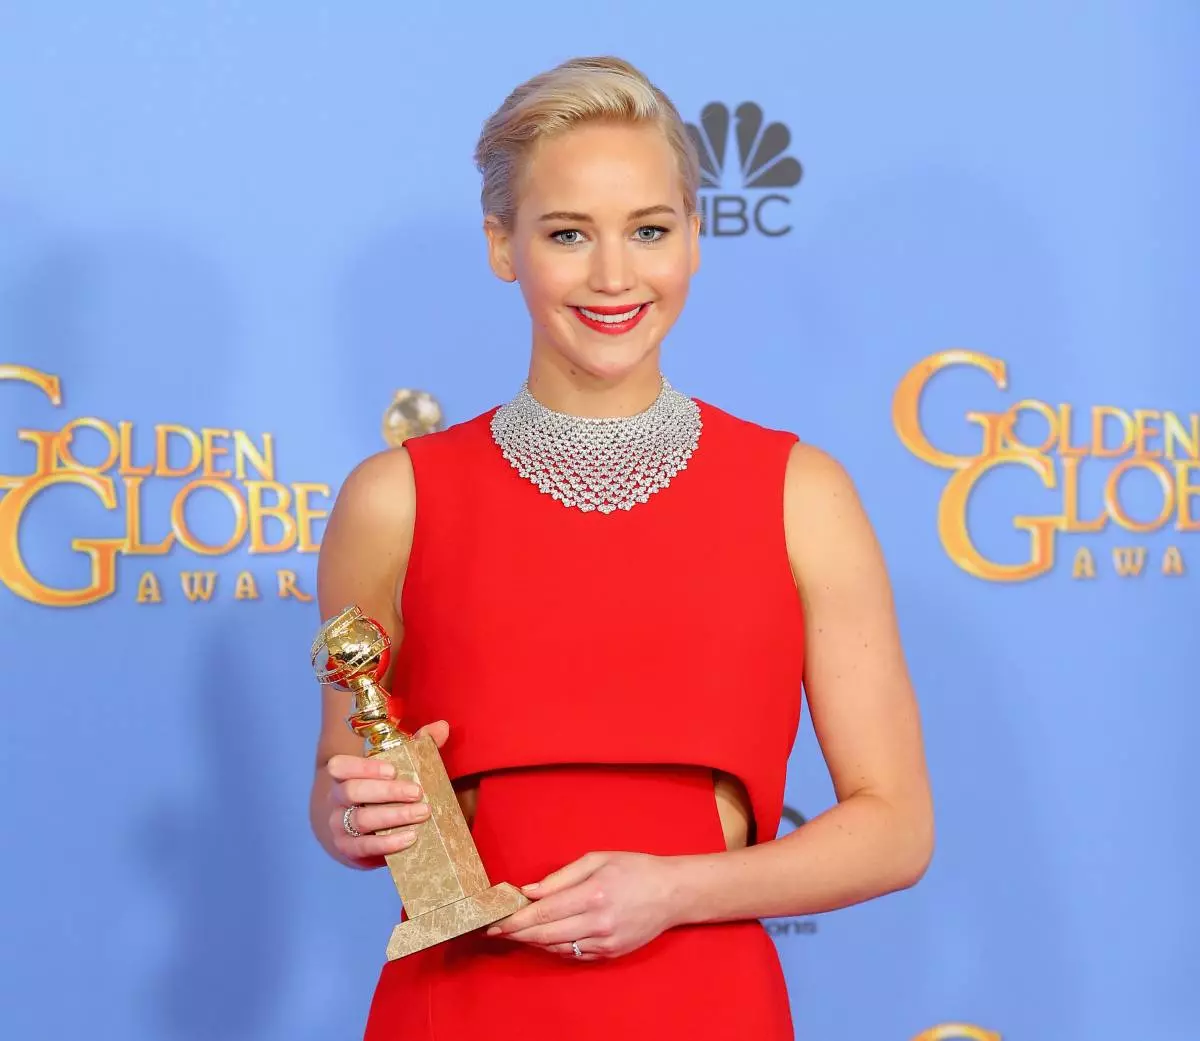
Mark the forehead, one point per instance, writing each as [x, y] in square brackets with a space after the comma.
[630, 166]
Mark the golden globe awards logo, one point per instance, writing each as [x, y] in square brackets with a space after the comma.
[262, 515]
[1104, 446]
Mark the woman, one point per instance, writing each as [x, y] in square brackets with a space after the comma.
[614, 593]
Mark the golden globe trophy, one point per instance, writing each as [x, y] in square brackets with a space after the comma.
[440, 877]
[411, 414]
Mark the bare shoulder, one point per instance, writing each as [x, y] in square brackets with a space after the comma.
[828, 531]
[381, 482]
[814, 474]
[369, 534]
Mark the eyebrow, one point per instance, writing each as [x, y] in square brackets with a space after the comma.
[645, 211]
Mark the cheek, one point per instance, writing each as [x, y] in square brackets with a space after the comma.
[670, 276]
[546, 281]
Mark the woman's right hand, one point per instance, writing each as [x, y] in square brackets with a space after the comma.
[380, 802]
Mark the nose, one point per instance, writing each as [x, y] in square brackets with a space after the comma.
[612, 268]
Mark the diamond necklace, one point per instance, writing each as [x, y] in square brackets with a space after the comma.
[598, 464]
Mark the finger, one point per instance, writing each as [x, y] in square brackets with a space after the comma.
[571, 902]
[390, 815]
[357, 791]
[345, 767]
[439, 731]
[562, 931]
[371, 846]
[565, 877]
[565, 950]
[400, 838]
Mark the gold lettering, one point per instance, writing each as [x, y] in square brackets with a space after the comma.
[1174, 436]
[128, 469]
[992, 424]
[1065, 449]
[1147, 438]
[133, 523]
[1071, 519]
[148, 590]
[305, 514]
[198, 585]
[1112, 498]
[1172, 561]
[1099, 414]
[179, 520]
[288, 587]
[245, 451]
[101, 553]
[952, 521]
[906, 402]
[1184, 520]
[66, 437]
[957, 1032]
[210, 450]
[1129, 561]
[260, 511]
[43, 441]
[162, 450]
[1143, 430]
[51, 387]
[1009, 439]
[246, 588]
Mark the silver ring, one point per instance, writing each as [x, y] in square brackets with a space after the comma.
[348, 823]
[575, 948]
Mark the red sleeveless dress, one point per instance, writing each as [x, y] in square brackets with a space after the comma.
[595, 669]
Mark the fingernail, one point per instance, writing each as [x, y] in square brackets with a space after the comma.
[532, 886]
[387, 771]
[494, 931]
[408, 838]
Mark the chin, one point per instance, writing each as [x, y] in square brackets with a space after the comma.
[611, 366]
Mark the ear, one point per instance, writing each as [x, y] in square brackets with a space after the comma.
[499, 249]
[694, 231]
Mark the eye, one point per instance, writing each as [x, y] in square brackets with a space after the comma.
[561, 236]
[650, 233]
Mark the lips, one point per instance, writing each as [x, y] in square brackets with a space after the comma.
[612, 320]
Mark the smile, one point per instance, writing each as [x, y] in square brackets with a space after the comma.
[611, 320]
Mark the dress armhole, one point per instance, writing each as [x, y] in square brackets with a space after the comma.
[418, 460]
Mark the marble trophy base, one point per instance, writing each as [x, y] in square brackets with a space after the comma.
[450, 920]
[440, 878]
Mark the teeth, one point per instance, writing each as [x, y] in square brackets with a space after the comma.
[610, 319]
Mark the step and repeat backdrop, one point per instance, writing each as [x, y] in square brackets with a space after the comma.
[240, 249]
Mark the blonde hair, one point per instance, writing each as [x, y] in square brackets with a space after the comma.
[582, 90]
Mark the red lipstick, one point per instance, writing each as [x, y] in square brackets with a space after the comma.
[610, 327]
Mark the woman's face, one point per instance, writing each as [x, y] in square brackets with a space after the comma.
[601, 246]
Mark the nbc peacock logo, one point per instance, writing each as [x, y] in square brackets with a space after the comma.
[762, 167]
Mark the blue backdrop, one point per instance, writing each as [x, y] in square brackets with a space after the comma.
[229, 232]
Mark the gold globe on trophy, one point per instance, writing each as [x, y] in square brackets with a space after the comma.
[411, 413]
[440, 877]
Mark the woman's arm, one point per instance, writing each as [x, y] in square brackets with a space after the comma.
[879, 836]
[364, 554]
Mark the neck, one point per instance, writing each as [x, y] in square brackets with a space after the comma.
[564, 387]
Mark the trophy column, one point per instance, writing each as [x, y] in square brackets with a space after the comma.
[440, 878]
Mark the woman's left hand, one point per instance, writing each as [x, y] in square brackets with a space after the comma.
[611, 903]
